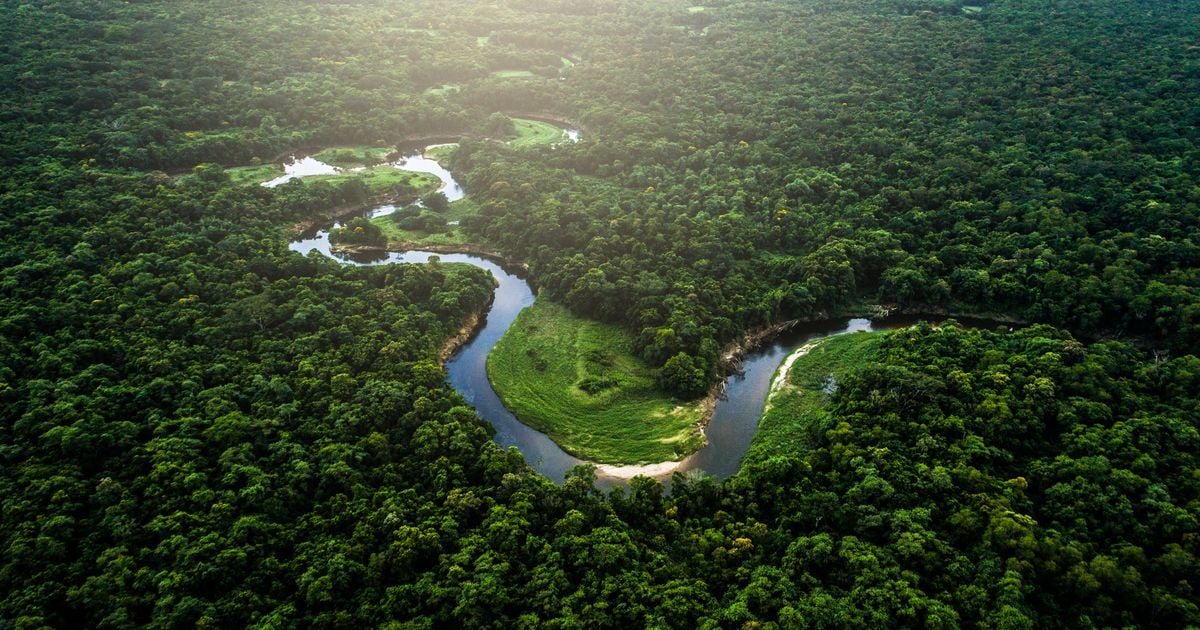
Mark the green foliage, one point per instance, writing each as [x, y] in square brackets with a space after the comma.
[442, 153]
[357, 231]
[203, 428]
[352, 156]
[383, 180]
[411, 227]
[680, 375]
[797, 403]
[436, 201]
[997, 465]
[578, 381]
[530, 133]
[253, 174]
[499, 126]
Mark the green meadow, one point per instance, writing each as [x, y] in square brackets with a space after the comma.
[385, 178]
[451, 235]
[441, 153]
[580, 382]
[253, 174]
[535, 132]
[353, 156]
[514, 74]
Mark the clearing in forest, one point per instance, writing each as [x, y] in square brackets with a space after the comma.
[535, 132]
[579, 382]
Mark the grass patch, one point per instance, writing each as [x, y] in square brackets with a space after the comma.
[253, 174]
[385, 179]
[801, 402]
[567, 63]
[482, 40]
[514, 74]
[398, 238]
[444, 89]
[535, 132]
[353, 156]
[696, 9]
[441, 153]
[579, 381]
[451, 235]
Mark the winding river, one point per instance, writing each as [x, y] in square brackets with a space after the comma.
[319, 239]
[735, 418]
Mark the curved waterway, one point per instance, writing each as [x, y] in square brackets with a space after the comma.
[735, 417]
[319, 239]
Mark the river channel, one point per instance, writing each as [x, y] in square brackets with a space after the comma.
[735, 417]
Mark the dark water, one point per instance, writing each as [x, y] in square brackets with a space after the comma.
[735, 419]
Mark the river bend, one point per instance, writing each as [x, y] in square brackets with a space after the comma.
[735, 417]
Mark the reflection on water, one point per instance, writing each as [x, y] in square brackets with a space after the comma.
[319, 239]
[306, 166]
[309, 166]
[418, 163]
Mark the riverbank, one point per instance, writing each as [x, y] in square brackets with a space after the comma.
[469, 329]
[801, 388]
[324, 217]
[753, 339]
[472, 249]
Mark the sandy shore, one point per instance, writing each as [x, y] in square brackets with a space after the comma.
[780, 380]
[629, 472]
[786, 366]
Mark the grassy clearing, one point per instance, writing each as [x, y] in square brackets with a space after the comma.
[253, 174]
[514, 74]
[384, 179]
[535, 132]
[353, 156]
[696, 9]
[445, 88]
[579, 381]
[451, 235]
[441, 153]
[801, 401]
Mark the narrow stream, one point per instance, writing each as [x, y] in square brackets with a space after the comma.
[319, 240]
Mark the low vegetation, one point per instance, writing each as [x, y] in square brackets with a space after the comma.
[385, 179]
[579, 381]
[446, 233]
[441, 152]
[514, 74]
[799, 401]
[536, 132]
[253, 174]
[353, 156]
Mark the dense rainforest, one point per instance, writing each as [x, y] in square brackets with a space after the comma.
[204, 428]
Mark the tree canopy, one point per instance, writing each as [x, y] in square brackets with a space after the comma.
[204, 428]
